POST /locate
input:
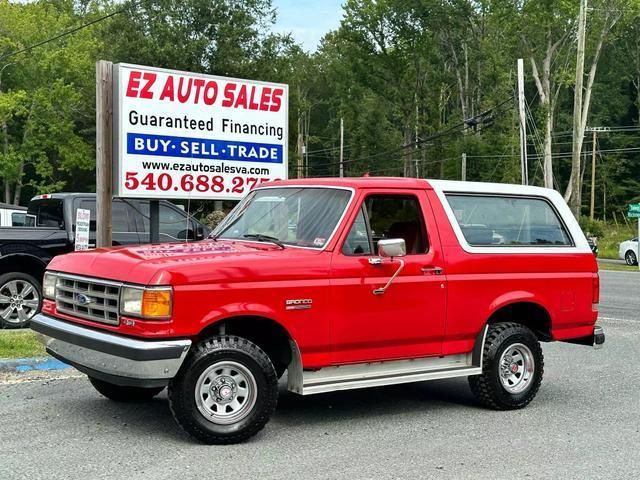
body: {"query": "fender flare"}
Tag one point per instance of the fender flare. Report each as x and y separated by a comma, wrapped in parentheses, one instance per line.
(21, 256)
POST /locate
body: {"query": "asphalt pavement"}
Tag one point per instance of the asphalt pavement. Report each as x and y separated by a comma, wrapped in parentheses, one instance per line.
(584, 424)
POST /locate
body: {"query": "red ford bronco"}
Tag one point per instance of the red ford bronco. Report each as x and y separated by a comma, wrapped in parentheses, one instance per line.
(341, 283)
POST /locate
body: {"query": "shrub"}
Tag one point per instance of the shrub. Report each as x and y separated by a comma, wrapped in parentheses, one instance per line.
(592, 228)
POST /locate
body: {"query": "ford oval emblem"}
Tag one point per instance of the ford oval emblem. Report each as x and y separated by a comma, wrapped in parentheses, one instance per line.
(82, 299)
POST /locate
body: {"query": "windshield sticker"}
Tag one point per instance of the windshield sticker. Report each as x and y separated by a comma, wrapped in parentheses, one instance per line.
(319, 242)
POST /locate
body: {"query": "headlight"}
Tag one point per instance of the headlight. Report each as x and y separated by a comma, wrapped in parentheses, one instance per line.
(152, 303)
(49, 285)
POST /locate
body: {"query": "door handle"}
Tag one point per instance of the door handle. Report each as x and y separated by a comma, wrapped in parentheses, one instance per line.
(428, 269)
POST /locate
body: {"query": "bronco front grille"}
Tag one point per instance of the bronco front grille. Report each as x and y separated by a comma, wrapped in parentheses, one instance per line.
(88, 298)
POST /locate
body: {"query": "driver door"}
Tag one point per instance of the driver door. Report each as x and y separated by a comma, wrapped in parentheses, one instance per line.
(408, 320)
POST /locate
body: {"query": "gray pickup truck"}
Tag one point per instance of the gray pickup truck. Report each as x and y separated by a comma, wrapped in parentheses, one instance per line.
(49, 231)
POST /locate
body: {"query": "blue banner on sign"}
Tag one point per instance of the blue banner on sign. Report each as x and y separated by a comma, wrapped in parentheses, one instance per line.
(202, 148)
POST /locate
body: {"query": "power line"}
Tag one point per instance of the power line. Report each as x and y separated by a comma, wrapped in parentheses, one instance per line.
(559, 155)
(63, 34)
(464, 125)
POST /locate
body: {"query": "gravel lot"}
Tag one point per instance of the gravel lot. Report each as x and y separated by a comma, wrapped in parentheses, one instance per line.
(584, 423)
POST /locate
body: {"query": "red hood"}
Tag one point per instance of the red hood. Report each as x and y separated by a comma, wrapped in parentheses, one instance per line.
(176, 263)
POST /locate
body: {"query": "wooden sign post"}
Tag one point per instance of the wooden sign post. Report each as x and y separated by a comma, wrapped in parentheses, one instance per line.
(104, 152)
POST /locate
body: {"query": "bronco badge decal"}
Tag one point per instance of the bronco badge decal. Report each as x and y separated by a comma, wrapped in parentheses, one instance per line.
(298, 304)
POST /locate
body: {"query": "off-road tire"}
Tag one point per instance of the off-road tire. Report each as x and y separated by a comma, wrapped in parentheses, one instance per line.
(488, 387)
(119, 393)
(206, 354)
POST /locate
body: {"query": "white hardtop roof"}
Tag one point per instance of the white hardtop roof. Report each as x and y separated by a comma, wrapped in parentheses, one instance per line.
(486, 187)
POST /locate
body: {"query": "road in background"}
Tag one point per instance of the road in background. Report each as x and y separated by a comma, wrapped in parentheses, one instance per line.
(584, 423)
(620, 295)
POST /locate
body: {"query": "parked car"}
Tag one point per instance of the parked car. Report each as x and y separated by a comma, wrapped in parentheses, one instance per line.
(12, 215)
(49, 231)
(380, 281)
(628, 251)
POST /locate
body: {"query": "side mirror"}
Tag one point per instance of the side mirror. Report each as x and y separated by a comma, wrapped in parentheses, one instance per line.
(389, 248)
(392, 247)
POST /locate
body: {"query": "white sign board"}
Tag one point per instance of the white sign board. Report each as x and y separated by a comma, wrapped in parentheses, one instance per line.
(187, 135)
(83, 220)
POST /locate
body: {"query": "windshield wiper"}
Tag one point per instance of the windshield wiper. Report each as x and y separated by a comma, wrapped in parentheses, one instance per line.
(264, 238)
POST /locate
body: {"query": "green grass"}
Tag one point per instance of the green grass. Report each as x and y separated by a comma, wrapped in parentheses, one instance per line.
(617, 267)
(608, 244)
(20, 344)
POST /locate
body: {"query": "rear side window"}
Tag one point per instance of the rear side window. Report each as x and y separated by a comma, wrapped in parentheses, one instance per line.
(508, 221)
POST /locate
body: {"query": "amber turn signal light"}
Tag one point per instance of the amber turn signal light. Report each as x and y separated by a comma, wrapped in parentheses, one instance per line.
(156, 303)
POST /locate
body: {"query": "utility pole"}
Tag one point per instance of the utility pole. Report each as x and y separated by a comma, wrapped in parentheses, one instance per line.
(415, 159)
(524, 169)
(464, 168)
(104, 152)
(300, 146)
(575, 202)
(341, 147)
(593, 175)
(307, 121)
(594, 131)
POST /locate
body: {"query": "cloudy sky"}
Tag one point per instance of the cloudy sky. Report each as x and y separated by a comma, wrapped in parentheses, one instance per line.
(308, 20)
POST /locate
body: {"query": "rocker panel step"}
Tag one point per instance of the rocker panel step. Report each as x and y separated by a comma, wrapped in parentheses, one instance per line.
(374, 374)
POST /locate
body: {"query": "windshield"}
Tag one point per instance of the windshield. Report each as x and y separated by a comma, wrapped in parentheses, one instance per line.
(45, 213)
(304, 217)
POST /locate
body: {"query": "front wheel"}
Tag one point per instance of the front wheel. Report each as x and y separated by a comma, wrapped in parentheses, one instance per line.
(512, 367)
(120, 393)
(226, 392)
(20, 299)
(630, 258)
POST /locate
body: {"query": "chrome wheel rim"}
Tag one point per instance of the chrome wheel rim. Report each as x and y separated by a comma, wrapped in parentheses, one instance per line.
(226, 392)
(19, 301)
(631, 258)
(517, 367)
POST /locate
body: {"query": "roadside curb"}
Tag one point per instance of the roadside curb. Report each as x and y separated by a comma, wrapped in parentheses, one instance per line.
(18, 365)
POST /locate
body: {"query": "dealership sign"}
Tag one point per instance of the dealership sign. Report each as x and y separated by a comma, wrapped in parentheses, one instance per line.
(186, 135)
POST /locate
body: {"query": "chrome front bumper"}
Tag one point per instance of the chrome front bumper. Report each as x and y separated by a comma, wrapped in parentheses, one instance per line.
(110, 357)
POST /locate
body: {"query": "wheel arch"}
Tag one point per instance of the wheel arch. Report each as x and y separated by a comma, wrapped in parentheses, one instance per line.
(23, 263)
(269, 334)
(525, 311)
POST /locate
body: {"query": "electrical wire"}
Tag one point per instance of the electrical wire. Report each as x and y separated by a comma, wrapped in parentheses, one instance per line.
(464, 125)
(64, 34)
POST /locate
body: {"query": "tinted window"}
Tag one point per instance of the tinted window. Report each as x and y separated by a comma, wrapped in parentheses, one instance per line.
(47, 213)
(172, 222)
(501, 220)
(119, 215)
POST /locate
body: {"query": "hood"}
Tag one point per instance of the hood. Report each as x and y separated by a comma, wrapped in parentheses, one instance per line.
(174, 263)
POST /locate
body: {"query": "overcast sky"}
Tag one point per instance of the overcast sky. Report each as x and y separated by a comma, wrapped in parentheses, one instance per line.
(308, 20)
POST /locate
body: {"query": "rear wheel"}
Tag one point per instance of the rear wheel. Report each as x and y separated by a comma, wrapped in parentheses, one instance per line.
(20, 299)
(630, 258)
(119, 393)
(512, 367)
(226, 392)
